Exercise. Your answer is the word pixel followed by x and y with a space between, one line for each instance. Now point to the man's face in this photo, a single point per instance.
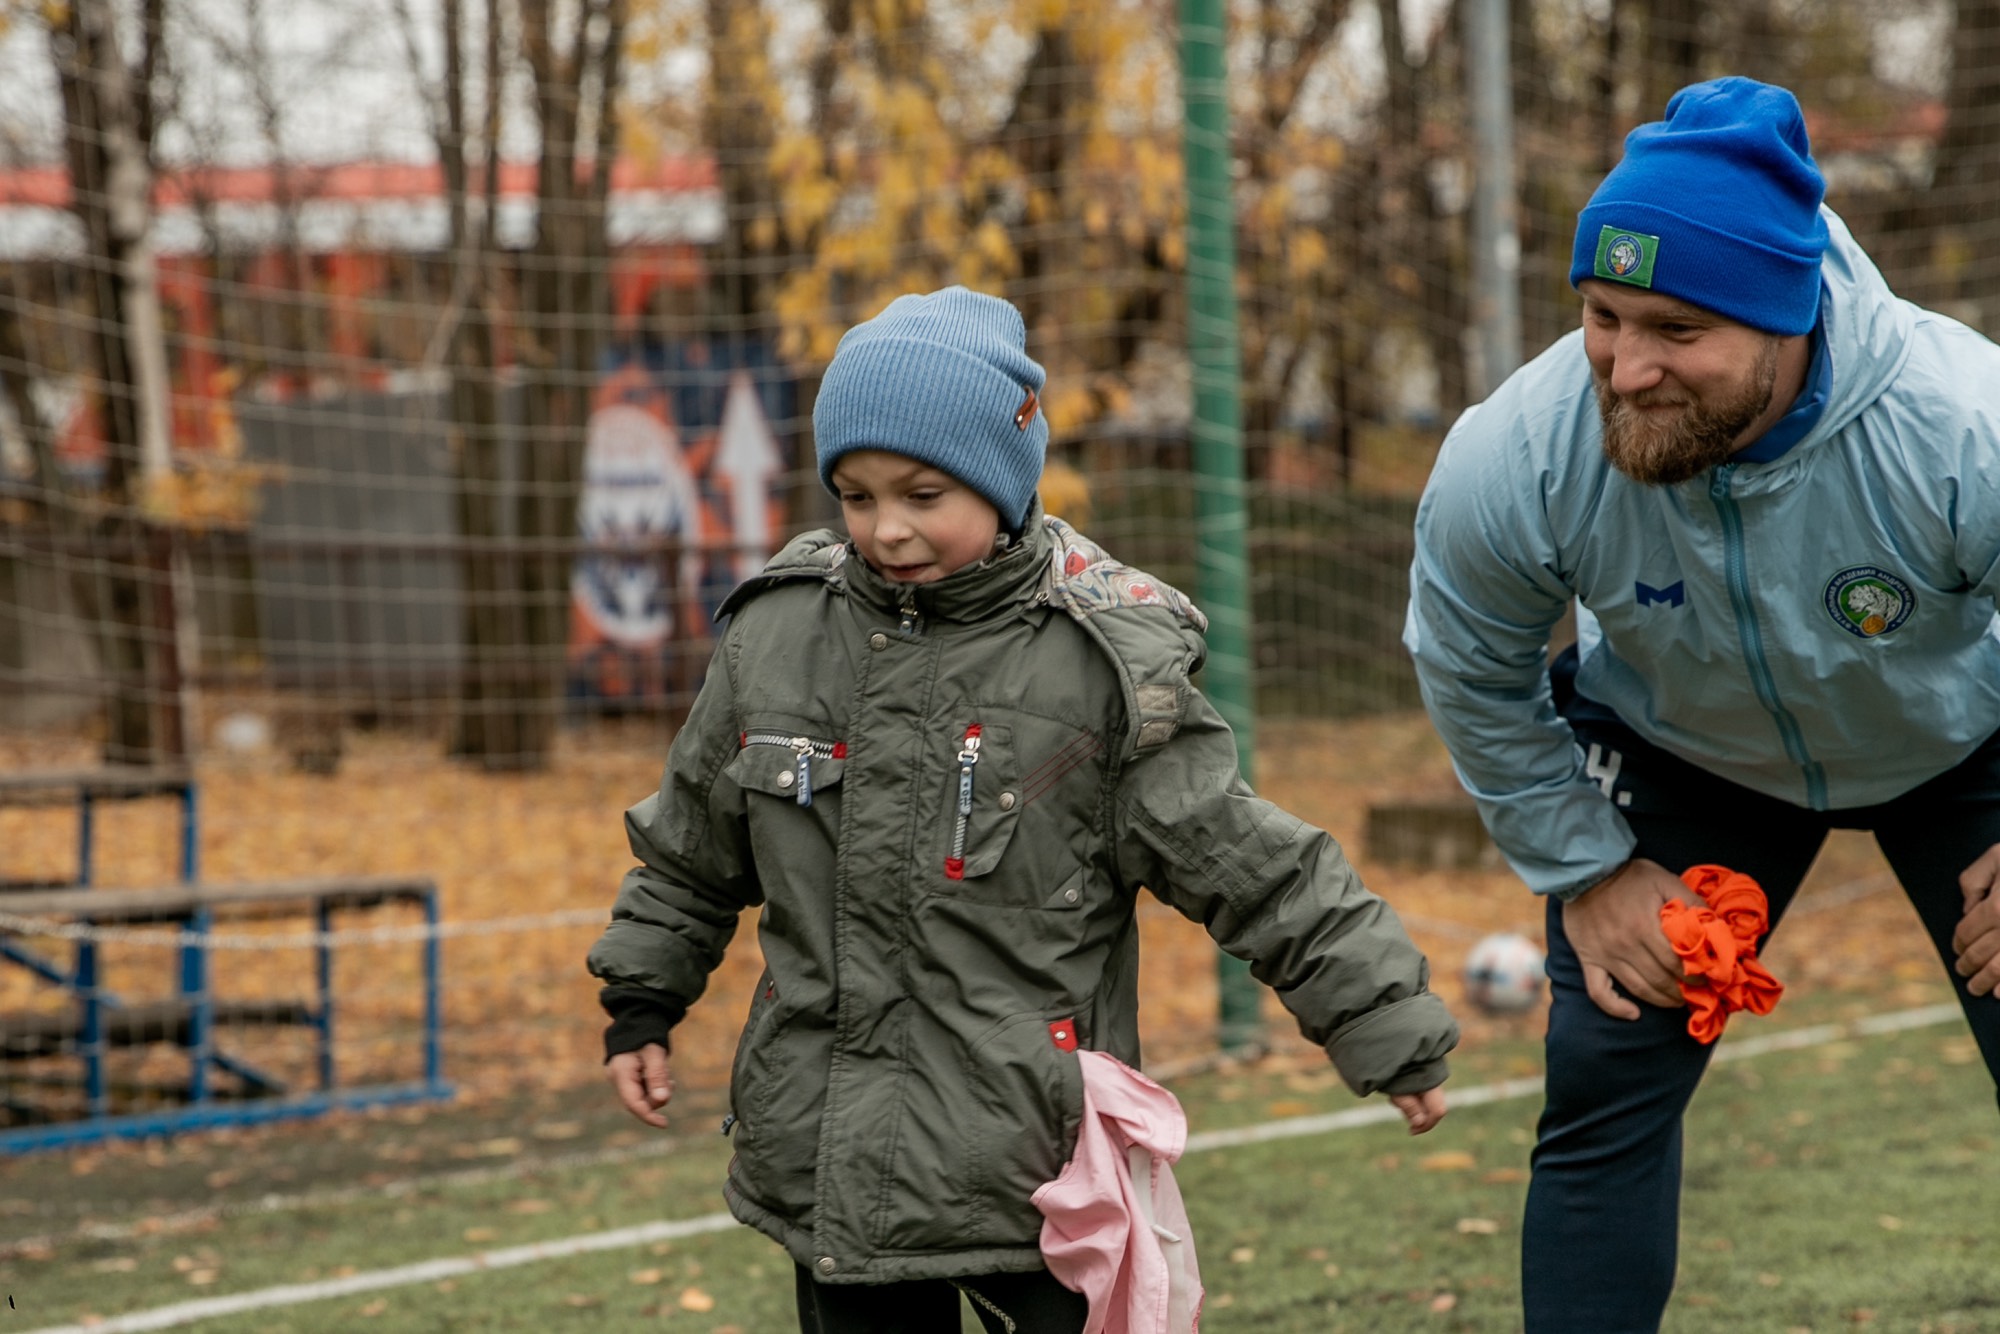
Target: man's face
pixel 1679 388
pixel 910 521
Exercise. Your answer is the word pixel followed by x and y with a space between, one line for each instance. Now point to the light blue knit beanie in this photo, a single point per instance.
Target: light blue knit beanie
pixel 944 378
pixel 1718 204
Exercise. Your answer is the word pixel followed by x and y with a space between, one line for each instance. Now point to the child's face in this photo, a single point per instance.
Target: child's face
pixel 910 521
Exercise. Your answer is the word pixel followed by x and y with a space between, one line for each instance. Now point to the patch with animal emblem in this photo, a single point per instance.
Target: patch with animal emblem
pixel 1868 601
pixel 1626 257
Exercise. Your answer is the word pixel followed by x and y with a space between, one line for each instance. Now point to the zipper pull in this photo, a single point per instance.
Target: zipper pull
pixel 911 620
pixel 805 783
pixel 968 756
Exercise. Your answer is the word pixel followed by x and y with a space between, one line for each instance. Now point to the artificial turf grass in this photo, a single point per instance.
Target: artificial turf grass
pixel 1795 1161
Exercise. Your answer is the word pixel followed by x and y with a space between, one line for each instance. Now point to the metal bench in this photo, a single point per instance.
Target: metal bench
pixel 99 1020
pixel 86 787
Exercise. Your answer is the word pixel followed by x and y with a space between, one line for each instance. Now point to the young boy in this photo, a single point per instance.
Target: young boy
pixel 944 755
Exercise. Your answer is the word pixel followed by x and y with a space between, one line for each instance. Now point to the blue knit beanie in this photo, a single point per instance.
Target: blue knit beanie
pixel 944 378
pixel 1718 205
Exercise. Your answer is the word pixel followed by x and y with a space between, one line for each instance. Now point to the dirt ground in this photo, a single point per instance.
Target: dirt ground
pixel 508 851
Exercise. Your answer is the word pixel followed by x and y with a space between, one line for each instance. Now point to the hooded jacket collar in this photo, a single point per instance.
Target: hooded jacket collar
pixel 985 588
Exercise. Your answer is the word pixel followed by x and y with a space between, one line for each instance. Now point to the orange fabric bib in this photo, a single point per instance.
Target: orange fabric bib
pixel 1717 945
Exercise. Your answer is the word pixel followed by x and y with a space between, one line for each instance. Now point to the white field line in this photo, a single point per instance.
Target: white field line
pixel 1290 1127
pixel 430 1271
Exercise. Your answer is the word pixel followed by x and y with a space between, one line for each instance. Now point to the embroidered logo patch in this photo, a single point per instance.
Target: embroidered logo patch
pixel 1626 257
pixel 1866 601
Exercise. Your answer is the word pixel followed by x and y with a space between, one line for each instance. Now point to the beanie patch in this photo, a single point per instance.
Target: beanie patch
pixel 1626 256
pixel 1029 407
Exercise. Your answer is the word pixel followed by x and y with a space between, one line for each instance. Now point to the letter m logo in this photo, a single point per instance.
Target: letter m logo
pixel 1673 594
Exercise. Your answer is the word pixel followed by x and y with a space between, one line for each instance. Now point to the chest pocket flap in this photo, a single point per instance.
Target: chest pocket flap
pixel 780 762
pixel 982 800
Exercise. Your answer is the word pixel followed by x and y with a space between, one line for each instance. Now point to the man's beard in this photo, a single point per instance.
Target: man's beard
pixel 1663 450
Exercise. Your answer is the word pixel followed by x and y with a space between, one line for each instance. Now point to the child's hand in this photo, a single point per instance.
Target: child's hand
pixel 1421 1110
pixel 644 1083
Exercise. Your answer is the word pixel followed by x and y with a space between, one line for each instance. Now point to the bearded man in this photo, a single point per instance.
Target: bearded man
pixel 1773 490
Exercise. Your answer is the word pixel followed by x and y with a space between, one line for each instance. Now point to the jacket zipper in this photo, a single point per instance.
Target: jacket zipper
pixel 913 621
pixel 1736 576
pixel 968 758
pixel 807 749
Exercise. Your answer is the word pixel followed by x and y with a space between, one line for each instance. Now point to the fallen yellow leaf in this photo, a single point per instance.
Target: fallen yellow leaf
pixel 694 1299
pixel 1482 1227
pixel 1451 1160
pixel 647 1275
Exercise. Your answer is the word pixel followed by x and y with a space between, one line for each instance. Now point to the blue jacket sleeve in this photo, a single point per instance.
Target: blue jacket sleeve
pixel 1486 588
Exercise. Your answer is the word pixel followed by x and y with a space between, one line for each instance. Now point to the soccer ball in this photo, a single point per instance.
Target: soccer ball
pixel 1503 974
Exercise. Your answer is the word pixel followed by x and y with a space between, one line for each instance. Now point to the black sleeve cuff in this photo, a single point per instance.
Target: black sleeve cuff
pixel 639 1015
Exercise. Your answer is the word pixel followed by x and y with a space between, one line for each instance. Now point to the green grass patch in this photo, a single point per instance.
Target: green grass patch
pixel 1828 1188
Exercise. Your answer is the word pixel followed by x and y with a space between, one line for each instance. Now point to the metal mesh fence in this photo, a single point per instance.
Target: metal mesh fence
pixel 414 377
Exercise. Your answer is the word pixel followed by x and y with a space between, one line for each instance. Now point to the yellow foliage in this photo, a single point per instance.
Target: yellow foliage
pixel 795 154
pixel 1047 13
pixel 1306 253
pixel 807 203
pixel 1069 406
pixel 1114 394
pixel 205 493
pixel 993 245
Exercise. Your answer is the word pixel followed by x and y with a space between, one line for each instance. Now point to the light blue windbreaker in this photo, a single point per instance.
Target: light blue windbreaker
pixel 1819 628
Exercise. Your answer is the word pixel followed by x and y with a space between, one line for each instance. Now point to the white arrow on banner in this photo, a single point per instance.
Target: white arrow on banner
pixel 747 454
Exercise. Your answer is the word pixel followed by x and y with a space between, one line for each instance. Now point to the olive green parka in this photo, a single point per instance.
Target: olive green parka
pixel 946 798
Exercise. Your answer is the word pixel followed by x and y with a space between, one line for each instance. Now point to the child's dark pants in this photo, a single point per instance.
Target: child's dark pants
pixel 1600 1236
pixel 1031 1303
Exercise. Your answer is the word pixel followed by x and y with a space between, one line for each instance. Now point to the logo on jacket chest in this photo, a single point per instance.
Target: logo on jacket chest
pixel 1868 601
pixel 1673 595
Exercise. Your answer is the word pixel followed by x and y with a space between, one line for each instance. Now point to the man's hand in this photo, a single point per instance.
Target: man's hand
pixel 1977 939
pixel 1615 928
pixel 643 1082
pixel 1421 1110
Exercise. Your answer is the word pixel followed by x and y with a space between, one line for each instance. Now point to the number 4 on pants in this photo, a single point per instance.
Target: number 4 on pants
pixel 1602 767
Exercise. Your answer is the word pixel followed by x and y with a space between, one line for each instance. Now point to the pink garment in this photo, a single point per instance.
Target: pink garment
pixel 1114 1227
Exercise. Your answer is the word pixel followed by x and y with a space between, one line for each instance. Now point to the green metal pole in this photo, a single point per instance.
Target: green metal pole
pixel 1222 570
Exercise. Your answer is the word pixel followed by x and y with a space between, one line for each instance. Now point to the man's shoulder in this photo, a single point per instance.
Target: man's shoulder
pixel 1543 415
pixel 1534 445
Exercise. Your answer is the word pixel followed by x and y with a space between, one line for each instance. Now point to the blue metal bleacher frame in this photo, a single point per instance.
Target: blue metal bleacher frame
pixel 101 1019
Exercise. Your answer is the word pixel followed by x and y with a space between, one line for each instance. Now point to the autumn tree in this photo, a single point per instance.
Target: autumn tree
pixel 1030 148
pixel 108 128
pixel 523 328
